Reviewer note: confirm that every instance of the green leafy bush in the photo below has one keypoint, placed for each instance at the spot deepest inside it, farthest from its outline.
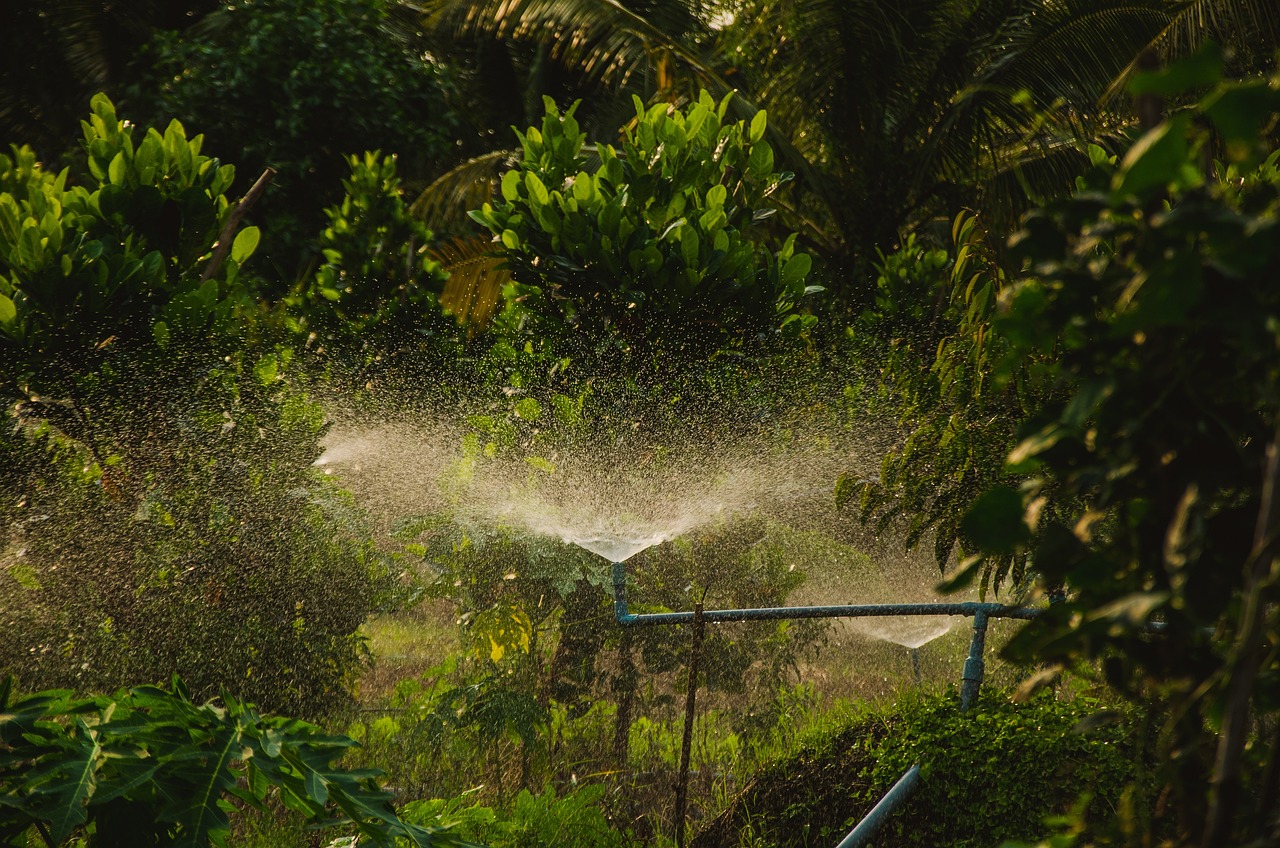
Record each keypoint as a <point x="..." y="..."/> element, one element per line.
<point x="299" y="85"/>
<point x="149" y="767"/>
<point x="372" y="311"/>
<point x="573" y="820"/>
<point x="990" y="774"/>
<point x="161" y="512"/>
<point x="118" y="263"/>
<point x="658" y="251"/>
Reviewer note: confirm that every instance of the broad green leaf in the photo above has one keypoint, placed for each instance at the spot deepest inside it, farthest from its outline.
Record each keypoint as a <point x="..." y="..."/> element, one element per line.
<point x="511" y="185"/>
<point x="317" y="788"/>
<point x="583" y="187"/>
<point x="118" y="170"/>
<point x="246" y="242"/>
<point x="759" y="122"/>
<point x="8" y="311"/>
<point x="796" y="269"/>
<point x="760" y="163"/>
<point x="538" y="195"/>
<point x="689" y="246"/>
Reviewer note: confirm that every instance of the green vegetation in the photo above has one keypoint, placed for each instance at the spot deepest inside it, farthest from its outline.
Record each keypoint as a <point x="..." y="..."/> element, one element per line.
<point x="991" y="774"/>
<point x="654" y="251"/>
<point x="160" y="455"/>
<point x="1017" y="254"/>
<point x="149" y="767"/>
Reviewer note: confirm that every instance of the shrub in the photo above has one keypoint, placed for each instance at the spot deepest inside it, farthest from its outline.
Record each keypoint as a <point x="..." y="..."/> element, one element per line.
<point x="372" y="310"/>
<point x="991" y="774"/>
<point x="659" y="252"/>
<point x="161" y="511"/>
<point x="149" y="767"/>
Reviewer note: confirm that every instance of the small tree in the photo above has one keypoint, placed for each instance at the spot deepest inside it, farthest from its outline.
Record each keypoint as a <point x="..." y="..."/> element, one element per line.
<point x="1152" y="472"/>
<point x="658" y="251"/>
<point x="160" y="479"/>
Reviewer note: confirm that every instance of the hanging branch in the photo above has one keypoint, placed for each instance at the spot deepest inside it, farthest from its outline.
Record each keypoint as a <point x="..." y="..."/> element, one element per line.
<point x="223" y="246"/>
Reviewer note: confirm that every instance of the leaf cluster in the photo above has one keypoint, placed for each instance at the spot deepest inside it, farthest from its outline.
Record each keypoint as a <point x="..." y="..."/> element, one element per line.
<point x="659" y="248"/>
<point x="373" y="305"/>
<point x="989" y="774"/>
<point x="1149" y="299"/>
<point x="115" y="263"/>
<point x="148" y="766"/>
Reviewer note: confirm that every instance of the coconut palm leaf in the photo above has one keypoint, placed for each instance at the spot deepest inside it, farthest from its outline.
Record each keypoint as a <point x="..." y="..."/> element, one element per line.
<point x="915" y="107"/>
<point x="477" y="275"/>
<point x="1250" y="29"/>
<point x="611" y="43"/>
<point x="603" y="38"/>
<point x="55" y="54"/>
<point x="444" y="204"/>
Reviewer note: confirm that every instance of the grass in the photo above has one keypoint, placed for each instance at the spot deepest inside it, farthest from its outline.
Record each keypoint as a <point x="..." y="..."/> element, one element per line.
<point x="404" y="645"/>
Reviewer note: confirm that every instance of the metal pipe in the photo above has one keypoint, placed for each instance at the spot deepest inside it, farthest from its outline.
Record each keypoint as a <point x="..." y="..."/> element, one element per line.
<point x="967" y="608"/>
<point x="974" y="664"/>
<point x="892" y="800"/>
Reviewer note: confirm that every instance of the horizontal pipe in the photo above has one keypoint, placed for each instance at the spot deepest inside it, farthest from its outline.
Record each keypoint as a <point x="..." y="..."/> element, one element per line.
<point x="897" y="795"/>
<point x="850" y="611"/>
<point x="969" y="608"/>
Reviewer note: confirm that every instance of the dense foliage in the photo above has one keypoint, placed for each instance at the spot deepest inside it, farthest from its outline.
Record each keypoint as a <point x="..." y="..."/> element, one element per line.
<point x="991" y="774"/>
<point x="159" y="475"/>
<point x="148" y="767"/>
<point x="656" y="254"/>
<point x="1087" y="412"/>
<point x="1150" y="474"/>
<point x="343" y="83"/>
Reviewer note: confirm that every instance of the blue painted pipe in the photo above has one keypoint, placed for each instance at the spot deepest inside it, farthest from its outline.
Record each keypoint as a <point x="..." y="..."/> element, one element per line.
<point x="974" y="665"/>
<point x="774" y="613"/>
<point x="892" y="800"/>
<point x="971" y="680"/>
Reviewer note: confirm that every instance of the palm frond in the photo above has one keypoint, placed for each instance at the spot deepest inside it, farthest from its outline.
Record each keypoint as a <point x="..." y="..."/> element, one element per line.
<point x="1248" y="28"/>
<point x="443" y="205"/>
<point x="602" y="38"/>
<point x="477" y="275"/>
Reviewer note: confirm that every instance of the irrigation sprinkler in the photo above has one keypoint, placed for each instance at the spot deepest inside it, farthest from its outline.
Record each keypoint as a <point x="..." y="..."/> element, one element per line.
<point x="970" y="681"/>
<point x="981" y="613"/>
